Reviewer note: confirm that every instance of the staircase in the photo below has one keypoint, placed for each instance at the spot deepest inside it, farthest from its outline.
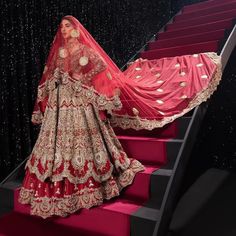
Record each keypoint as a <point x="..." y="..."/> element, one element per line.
<point x="145" y="206"/>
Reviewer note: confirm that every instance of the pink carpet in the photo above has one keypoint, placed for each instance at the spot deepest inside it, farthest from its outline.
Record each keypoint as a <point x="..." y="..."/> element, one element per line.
<point x="168" y="131"/>
<point x="191" y="39"/>
<point x="210" y="46"/>
<point x="229" y="15"/>
<point x="145" y="149"/>
<point x="110" y="219"/>
<point x="206" y="5"/>
<point x="225" y="24"/>
<point x="208" y="11"/>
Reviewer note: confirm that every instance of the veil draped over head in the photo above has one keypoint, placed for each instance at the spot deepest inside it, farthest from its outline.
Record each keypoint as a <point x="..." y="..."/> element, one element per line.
<point x="152" y="92"/>
<point x="101" y="82"/>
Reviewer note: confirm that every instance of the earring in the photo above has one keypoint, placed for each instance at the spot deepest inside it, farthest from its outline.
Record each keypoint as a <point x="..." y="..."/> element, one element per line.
<point x="74" y="33"/>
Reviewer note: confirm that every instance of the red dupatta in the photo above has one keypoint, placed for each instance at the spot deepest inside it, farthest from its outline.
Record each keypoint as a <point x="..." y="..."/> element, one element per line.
<point x="153" y="93"/>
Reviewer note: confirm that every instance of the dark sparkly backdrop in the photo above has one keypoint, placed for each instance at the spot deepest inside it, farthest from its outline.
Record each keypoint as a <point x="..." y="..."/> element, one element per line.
<point x="26" y="30"/>
<point x="216" y="141"/>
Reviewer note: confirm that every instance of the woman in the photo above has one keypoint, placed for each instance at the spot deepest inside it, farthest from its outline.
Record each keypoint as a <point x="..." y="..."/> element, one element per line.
<point x="77" y="160"/>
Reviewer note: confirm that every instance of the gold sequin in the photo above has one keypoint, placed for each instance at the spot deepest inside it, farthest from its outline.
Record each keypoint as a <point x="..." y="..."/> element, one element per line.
<point x="109" y="76"/>
<point x="45" y="69"/>
<point x="204" y="76"/>
<point x="63" y="53"/>
<point x="137" y="68"/>
<point x="83" y="61"/>
<point x="158" y="75"/>
<point x="135" y="111"/>
<point x="160" y="90"/>
<point x="184" y="96"/>
<point x="58" y="191"/>
<point x="182" y="73"/>
<point x="199" y="65"/>
<point x="162" y="113"/>
<point x="160" y="81"/>
<point x="90" y="183"/>
<point x="159" y="101"/>
<point x="195" y="55"/>
<point x="177" y="65"/>
<point x="138" y="76"/>
<point x="182" y="84"/>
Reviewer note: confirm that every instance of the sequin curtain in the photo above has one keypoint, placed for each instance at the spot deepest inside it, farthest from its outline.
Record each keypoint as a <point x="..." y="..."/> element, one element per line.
<point x="27" y="29"/>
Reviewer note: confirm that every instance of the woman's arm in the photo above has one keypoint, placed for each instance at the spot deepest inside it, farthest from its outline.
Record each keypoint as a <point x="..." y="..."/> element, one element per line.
<point x="90" y="64"/>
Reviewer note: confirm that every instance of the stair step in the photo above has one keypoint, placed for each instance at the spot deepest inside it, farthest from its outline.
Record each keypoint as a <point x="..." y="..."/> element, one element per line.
<point x="205" y="12"/>
<point x="168" y="131"/>
<point x="226" y="23"/>
<point x="211" y="46"/>
<point x="144" y="221"/>
<point x="217" y="15"/>
<point x="206" y="5"/>
<point x="145" y="149"/>
<point x="176" y="129"/>
<point x="196" y="38"/>
<point x="34" y="226"/>
<point x="140" y="188"/>
<point x="114" y="214"/>
<point x="219" y="25"/>
<point x="121" y="209"/>
<point x="159" y="181"/>
<point x="201" y="20"/>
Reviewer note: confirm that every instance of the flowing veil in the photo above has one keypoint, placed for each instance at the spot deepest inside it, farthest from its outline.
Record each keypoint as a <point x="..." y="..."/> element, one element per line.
<point x="152" y="92"/>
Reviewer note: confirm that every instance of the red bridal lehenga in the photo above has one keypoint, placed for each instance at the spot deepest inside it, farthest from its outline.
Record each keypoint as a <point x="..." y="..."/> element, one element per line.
<point x="77" y="161"/>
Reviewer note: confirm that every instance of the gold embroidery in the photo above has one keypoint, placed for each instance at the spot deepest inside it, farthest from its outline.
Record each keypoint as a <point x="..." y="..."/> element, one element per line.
<point x="204" y="76"/>
<point x="63" y="53"/>
<point x="199" y="65"/>
<point x="37" y="117"/>
<point x="159" y="101"/>
<point x="135" y="111"/>
<point x="109" y="76"/>
<point x="137" y="123"/>
<point x="45" y="69"/>
<point x="85" y="197"/>
<point x="83" y="61"/>
<point x="182" y="84"/>
<point x="177" y="65"/>
<point x="160" y="81"/>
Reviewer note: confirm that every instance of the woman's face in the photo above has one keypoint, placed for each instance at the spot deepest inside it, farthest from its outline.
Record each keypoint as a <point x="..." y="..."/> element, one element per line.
<point x="66" y="28"/>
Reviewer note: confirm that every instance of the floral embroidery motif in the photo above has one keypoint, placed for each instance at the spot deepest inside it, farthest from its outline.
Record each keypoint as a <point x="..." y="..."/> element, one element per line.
<point x="83" y="61"/>
<point x="63" y="53"/>
<point x="77" y="160"/>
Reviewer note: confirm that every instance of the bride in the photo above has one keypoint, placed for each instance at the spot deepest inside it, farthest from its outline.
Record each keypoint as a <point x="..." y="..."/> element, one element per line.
<point x="77" y="160"/>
